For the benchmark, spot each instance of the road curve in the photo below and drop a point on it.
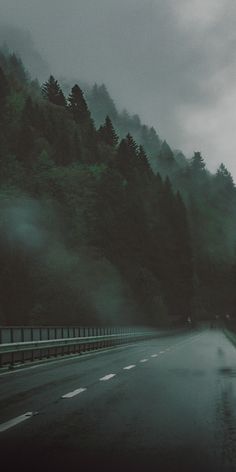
(168, 404)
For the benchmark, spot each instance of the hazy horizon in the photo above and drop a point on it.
(173, 65)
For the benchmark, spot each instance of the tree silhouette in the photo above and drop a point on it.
(107, 134)
(197, 162)
(52, 91)
(78, 106)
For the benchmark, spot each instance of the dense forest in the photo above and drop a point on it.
(101, 221)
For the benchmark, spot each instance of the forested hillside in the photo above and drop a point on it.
(101, 222)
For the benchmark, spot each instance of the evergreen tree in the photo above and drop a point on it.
(224, 192)
(101, 104)
(143, 160)
(112, 207)
(52, 91)
(16, 70)
(166, 163)
(78, 107)
(131, 146)
(224, 177)
(127, 156)
(107, 134)
(197, 163)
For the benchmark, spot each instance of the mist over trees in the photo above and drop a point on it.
(16, 39)
(101, 221)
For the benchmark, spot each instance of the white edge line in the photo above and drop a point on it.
(19, 419)
(74, 393)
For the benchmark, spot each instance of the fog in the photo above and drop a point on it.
(172, 62)
(59, 282)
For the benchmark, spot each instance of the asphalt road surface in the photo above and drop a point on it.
(167, 405)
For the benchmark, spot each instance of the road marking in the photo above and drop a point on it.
(144, 360)
(19, 419)
(128, 367)
(107, 377)
(162, 352)
(74, 393)
(154, 355)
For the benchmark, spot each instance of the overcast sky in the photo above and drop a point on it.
(171, 61)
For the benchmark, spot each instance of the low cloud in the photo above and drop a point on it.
(171, 62)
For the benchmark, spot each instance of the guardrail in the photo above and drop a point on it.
(28, 351)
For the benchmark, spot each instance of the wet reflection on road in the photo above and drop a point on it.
(226, 417)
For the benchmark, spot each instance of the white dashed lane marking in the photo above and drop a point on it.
(107, 377)
(74, 393)
(19, 419)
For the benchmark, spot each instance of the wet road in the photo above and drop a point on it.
(168, 404)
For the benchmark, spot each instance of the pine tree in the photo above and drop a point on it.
(17, 70)
(225, 194)
(224, 177)
(127, 156)
(143, 160)
(132, 146)
(101, 104)
(107, 134)
(166, 163)
(52, 91)
(78, 107)
(197, 162)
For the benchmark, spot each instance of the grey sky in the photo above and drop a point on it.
(171, 61)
